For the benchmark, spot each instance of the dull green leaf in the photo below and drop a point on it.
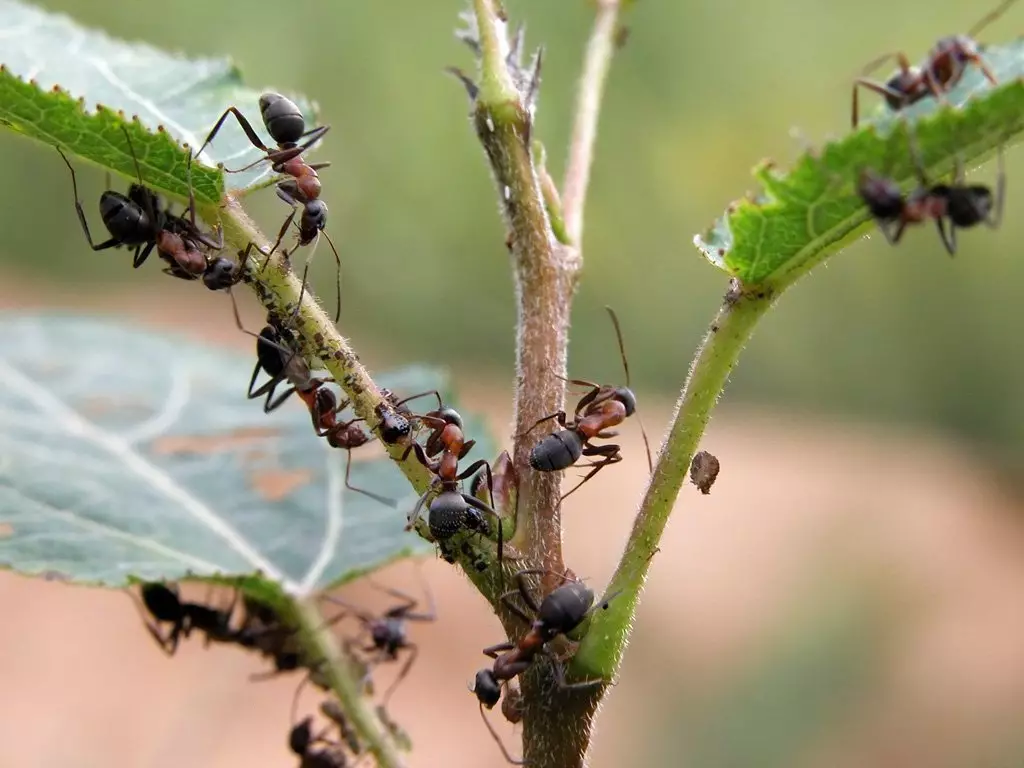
(127, 455)
(806, 214)
(72, 86)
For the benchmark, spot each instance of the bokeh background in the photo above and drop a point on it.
(850, 593)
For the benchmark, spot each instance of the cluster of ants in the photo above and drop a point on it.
(950, 205)
(139, 220)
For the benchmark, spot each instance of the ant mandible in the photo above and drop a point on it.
(286, 125)
(964, 205)
(560, 612)
(598, 410)
(940, 71)
(138, 220)
(388, 631)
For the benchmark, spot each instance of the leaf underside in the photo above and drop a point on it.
(73, 86)
(128, 455)
(806, 214)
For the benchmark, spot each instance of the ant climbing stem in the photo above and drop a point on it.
(596, 412)
(388, 636)
(940, 71)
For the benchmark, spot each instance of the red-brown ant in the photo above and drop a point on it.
(450, 511)
(596, 412)
(286, 125)
(564, 609)
(139, 220)
(388, 631)
(964, 205)
(940, 71)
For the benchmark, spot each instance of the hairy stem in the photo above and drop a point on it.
(601, 649)
(596, 64)
(346, 680)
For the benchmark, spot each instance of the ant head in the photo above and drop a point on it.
(314, 218)
(282, 117)
(221, 273)
(301, 736)
(162, 601)
(447, 415)
(486, 688)
(565, 607)
(882, 195)
(625, 396)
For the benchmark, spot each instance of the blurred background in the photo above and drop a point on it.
(850, 593)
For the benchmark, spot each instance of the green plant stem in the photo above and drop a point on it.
(346, 679)
(601, 649)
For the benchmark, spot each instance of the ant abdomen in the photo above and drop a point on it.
(566, 606)
(487, 688)
(449, 513)
(282, 117)
(124, 219)
(556, 451)
(625, 396)
(968, 206)
(161, 601)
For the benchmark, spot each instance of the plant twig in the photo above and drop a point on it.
(596, 64)
(601, 649)
(345, 678)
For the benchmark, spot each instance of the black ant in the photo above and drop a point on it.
(165, 606)
(598, 410)
(450, 511)
(940, 71)
(138, 220)
(301, 741)
(964, 205)
(564, 609)
(286, 125)
(388, 631)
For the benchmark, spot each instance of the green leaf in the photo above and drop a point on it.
(72, 86)
(813, 210)
(126, 455)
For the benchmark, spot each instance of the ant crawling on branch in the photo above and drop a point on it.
(564, 609)
(939, 73)
(963, 205)
(597, 411)
(451, 510)
(286, 125)
(301, 741)
(388, 631)
(139, 220)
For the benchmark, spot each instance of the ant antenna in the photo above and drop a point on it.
(990, 17)
(497, 738)
(625, 366)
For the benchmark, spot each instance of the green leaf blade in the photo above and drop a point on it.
(131, 456)
(65, 84)
(803, 216)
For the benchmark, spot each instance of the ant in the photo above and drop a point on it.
(165, 606)
(388, 631)
(451, 510)
(598, 410)
(138, 220)
(564, 609)
(941, 70)
(301, 741)
(964, 205)
(286, 125)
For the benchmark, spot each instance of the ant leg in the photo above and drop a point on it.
(140, 258)
(413, 653)
(566, 686)
(608, 452)
(558, 415)
(112, 242)
(168, 644)
(410, 398)
(280, 237)
(994, 219)
(506, 600)
(497, 739)
(280, 156)
(273, 405)
(872, 85)
(948, 237)
(348, 469)
(254, 139)
(495, 650)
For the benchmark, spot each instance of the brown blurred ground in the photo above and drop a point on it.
(799, 506)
